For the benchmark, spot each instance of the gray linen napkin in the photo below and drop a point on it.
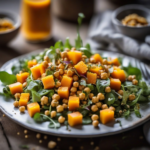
(102, 35)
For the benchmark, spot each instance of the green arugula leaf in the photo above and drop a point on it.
(136, 110)
(6, 92)
(126, 114)
(86, 51)
(86, 120)
(7, 78)
(83, 111)
(125, 96)
(88, 47)
(110, 99)
(67, 43)
(36, 96)
(78, 42)
(43, 92)
(80, 17)
(142, 99)
(59, 45)
(102, 84)
(54, 125)
(38, 118)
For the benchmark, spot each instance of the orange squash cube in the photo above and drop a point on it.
(66, 81)
(95, 69)
(115, 62)
(42, 69)
(63, 92)
(75, 118)
(97, 58)
(36, 71)
(22, 77)
(106, 116)
(24, 98)
(74, 56)
(119, 74)
(91, 77)
(115, 84)
(33, 108)
(48, 82)
(16, 88)
(32, 63)
(73, 103)
(81, 67)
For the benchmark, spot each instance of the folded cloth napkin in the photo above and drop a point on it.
(103, 36)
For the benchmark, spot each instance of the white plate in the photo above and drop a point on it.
(6, 105)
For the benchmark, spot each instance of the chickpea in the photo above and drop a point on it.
(112, 108)
(56, 74)
(46, 58)
(63, 54)
(87, 90)
(53, 114)
(130, 78)
(100, 71)
(24, 84)
(105, 62)
(56, 97)
(16, 103)
(75, 84)
(43, 75)
(54, 103)
(82, 96)
(70, 73)
(22, 109)
(65, 71)
(94, 99)
(81, 87)
(73, 49)
(99, 104)
(58, 84)
(107, 89)
(134, 82)
(100, 96)
(52, 145)
(75, 78)
(91, 95)
(61, 66)
(60, 108)
(47, 112)
(65, 101)
(61, 119)
(133, 76)
(104, 75)
(95, 123)
(78, 92)
(120, 92)
(73, 89)
(104, 106)
(94, 108)
(131, 97)
(65, 106)
(45, 64)
(17, 95)
(120, 111)
(92, 60)
(61, 71)
(94, 117)
(44, 99)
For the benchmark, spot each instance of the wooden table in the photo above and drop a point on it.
(61, 29)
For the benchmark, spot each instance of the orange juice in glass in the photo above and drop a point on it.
(36, 20)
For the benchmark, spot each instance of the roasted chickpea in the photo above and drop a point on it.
(95, 123)
(47, 112)
(82, 96)
(63, 54)
(16, 103)
(81, 87)
(70, 73)
(131, 97)
(56, 97)
(45, 64)
(94, 108)
(134, 82)
(75, 84)
(22, 109)
(105, 62)
(107, 89)
(75, 78)
(130, 78)
(61, 119)
(60, 108)
(61, 66)
(56, 74)
(73, 49)
(100, 96)
(65, 106)
(73, 89)
(17, 95)
(104, 75)
(112, 108)
(94, 99)
(99, 104)
(87, 90)
(46, 58)
(120, 92)
(58, 84)
(53, 114)
(61, 71)
(65, 101)
(54, 103)
(94, 117)
(78, 92)
(104, 106)
(66, 59)
(92, 60)
(24, 84)
(44, 99)
(91, 95)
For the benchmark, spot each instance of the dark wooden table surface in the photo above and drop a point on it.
(61, 29)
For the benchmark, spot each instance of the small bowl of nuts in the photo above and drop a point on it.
(132, 21)
(9, 26)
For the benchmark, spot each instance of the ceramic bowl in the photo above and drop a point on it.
(7, 36)
(134, 32)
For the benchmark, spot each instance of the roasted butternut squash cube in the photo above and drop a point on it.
(33, 108)
(74, 56)
(95, 69)
(66, 81)
(35, 70)
(91, 77)
(115, 62)
(73, 103)
(16, 88)
(63, 92)
(97, 58)
(24, 98)
(106, 116)
(119, 74)
(75, 118)
(115, 84)
(48, 82)
(42, 69)
(22, 77)
(32, 63)
(81, 67)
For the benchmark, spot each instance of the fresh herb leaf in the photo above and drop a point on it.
(125, 96)
(126, 114)
(86, 120)
(86, 52)
(36, 96)
(6, 92)
(54, 125)
(102, 84)
(67, 43)
(38, 118)
(110, 99)
(136, 110)
(78, 42)
(43, 92)
(59, 45)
